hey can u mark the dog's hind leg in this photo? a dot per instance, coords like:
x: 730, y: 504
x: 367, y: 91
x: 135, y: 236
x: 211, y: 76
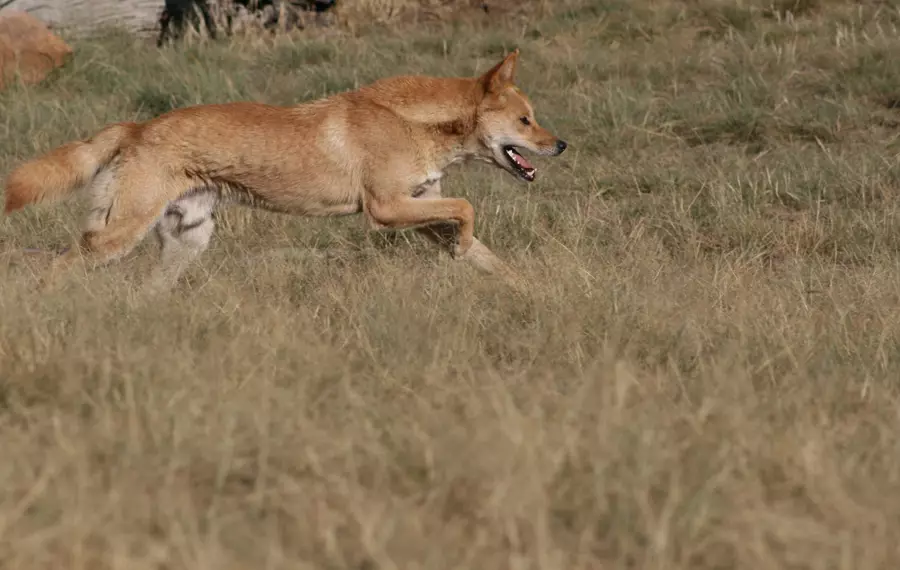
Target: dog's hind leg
x: 184, y: 233
x: 126, y: 201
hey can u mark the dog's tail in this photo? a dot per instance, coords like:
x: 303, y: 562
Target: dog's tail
x: 65, y: 169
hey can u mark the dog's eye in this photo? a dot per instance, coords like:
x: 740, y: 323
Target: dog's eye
x: 525, y: 121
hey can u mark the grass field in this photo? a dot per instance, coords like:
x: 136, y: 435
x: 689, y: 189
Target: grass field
x: 704, y: 374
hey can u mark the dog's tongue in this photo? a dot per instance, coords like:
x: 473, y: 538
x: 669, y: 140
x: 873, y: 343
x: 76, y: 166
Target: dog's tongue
x: 520, y: 160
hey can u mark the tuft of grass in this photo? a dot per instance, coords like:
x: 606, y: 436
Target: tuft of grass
x: 152, y: 101
x: 702, y: 375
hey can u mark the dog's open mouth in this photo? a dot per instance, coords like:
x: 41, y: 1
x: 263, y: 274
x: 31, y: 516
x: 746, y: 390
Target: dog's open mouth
x: 521, y: 166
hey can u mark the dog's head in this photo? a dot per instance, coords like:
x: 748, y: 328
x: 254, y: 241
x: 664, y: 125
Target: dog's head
x: 506, y: 123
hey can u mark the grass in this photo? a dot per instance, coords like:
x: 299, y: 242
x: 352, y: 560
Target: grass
x: 703, y: 375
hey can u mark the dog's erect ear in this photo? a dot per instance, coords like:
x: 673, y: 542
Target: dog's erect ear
x: 502, y: 74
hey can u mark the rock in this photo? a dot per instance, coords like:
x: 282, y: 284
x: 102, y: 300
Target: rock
x: 28, y: 46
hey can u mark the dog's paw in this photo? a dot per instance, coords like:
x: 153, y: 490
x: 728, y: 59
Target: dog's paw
x: 487, y: 262
x: 458, y: 251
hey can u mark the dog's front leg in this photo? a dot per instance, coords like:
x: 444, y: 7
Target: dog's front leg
x: 478, y: 255
x: 403, y: 212
x: 439, y: 219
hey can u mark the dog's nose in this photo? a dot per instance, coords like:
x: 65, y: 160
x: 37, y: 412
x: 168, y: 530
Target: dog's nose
x: 561, y: 145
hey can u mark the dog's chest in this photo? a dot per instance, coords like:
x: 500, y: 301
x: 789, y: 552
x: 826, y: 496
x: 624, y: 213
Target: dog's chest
x: 431, y: 185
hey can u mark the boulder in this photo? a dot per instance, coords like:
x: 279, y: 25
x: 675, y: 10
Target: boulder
x: 27, y: 46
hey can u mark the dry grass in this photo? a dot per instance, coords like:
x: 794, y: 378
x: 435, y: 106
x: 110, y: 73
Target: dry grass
x: 704, y: 375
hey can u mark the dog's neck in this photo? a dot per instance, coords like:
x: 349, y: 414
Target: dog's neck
x: 448, y: 104
x: 456, y: 125
x: 457, y: 140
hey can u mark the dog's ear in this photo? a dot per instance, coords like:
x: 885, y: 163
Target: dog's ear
x: 502, y: 74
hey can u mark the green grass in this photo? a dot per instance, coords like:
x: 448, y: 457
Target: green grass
x: 705, y: 373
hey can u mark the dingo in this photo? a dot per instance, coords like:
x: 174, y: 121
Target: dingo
x: 380, y: 150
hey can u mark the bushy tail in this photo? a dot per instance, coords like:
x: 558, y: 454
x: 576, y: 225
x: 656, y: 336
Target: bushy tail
x: 53, y: 176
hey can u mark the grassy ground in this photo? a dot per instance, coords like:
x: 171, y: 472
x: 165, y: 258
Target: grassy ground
x: 704, y: 374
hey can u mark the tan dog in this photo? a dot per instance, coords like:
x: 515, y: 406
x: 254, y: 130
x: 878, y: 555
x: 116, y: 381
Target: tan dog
x: 380, y: 150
